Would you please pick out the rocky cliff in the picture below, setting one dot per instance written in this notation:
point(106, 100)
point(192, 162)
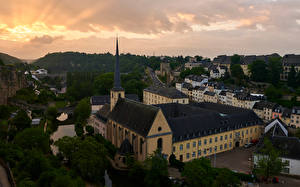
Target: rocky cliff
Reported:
point(11, 81)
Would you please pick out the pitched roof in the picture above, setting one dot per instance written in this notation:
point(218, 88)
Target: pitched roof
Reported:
point(291, 60)
point(276, 128)
point(103, 112)
point(220, 108)
point(134, 115)
point(209, 93)
point(189, 121)
point(105, 99)
point(264, 104)
point(167, 92)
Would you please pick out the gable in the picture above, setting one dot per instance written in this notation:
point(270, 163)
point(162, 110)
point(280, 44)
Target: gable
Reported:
point(160, 126)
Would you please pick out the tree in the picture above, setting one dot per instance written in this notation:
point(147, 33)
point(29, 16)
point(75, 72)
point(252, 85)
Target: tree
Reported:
point(292, 77)
point(235, 59)
point(33, 164)
point(237, 71)
point(272, 93)
point(103, 83)
point(33, 138)
point(156, 170)
point(198, 172)
point(259, 71)
point(21, 120)
point(1, 62)
point(90, 130)
point(51, 113)
point(225, 177)
point(87, 157)
point(275, 68)
point(82, 110)
point(4, 112)
point(269, 163)
point(194, 71)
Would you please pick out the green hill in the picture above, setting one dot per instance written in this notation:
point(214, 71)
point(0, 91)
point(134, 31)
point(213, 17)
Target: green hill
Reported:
point(7, 59)
point(82, 62)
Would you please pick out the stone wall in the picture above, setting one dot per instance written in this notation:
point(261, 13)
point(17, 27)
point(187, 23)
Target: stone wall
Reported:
point(11, 81)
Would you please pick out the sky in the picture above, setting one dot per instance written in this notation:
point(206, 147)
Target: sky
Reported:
point(30, 29)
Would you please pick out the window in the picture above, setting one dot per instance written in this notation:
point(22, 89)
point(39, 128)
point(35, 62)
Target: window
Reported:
point(194, 154)
point(188, 145)
point(187, 155)
point(230, 145)
point(247, 131)
point(159, 129)
point(205, 141)
point(181, 147)
point(210, 149)
point(199, 153)
point(221, 147)
point(141, 146)
point(174, 148)
point(204, 151)
point(226, 137)
point(194, 144)
point(216, 148)
point(225, 146)
point(119, 95)
point(221, 138)
point(250, 131)
point(199, 143)
point(216, 139)
point(159, 143)
point(210, 140)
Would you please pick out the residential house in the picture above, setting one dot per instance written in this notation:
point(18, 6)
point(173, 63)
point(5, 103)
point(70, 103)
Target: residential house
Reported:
point(295, 117)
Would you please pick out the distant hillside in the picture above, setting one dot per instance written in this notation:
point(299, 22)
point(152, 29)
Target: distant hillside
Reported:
point(74, 61)
point(7, 59)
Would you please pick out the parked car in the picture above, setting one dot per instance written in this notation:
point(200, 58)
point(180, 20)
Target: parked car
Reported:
point(247, 145)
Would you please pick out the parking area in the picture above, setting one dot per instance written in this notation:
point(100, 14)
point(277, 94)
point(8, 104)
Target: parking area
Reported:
point(238, 159)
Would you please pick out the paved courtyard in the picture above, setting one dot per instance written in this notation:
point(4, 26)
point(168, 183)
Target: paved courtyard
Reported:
point(237, 159)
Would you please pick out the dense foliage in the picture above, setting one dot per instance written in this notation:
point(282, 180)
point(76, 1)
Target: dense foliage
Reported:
point(81, 85)
point(73, 62)
point(194, 71)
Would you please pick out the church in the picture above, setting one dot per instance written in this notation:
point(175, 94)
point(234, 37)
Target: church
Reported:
point(188, 131)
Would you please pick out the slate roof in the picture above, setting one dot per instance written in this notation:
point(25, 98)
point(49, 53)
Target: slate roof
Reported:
point(291, 59)
point(167, 92)
point(289, 147)
point(105, 99)
point(188, 121)
point(209, 93)
point(264, 104)
point(247, 96)
point(222, 93)
point(222, 59)
point(201, 88)
point(220, 108)
point(134, 115)
point(103, 113)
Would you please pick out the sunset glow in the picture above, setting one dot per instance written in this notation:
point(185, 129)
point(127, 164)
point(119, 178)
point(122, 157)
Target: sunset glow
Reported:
point(171, 26)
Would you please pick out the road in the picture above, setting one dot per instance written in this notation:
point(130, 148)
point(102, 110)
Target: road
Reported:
point(155, 80)
point(3, 178)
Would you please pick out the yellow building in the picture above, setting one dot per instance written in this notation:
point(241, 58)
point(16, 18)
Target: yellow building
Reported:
point(153, 95)
point(210, 97)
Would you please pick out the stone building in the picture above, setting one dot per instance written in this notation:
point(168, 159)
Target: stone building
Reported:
point(287, 62)
point(155, 95)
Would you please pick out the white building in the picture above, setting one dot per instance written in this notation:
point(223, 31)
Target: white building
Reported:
point(289, 147)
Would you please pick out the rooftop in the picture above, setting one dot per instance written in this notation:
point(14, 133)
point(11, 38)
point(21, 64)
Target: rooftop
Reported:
point(166, 92)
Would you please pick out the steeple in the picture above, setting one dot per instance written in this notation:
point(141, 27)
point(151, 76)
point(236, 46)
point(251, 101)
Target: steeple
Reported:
point(117, 79)
point(117, 91)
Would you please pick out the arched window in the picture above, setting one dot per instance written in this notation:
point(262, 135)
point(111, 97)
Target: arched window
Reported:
point(159, 129)
point(159, 143)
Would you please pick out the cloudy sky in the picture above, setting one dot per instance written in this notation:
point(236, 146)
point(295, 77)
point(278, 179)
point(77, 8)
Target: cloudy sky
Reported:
point(32, 28)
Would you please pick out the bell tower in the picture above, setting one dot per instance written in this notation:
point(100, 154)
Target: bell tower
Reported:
point(117, 91)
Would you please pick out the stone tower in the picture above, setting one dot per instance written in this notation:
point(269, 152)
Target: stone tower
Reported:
point(117, 91)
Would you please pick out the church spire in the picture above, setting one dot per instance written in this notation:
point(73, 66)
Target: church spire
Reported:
point(117, 79)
